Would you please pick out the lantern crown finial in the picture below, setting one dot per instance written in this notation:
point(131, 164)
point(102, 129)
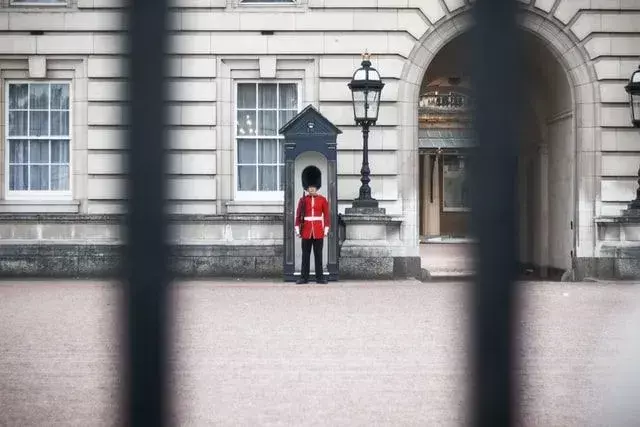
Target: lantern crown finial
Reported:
point(366, 56)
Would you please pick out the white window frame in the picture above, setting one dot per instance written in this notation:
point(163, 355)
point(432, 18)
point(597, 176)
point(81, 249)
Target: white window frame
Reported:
point(257, 196)
point(444, 190)
point(36, 3)
point(37, 194)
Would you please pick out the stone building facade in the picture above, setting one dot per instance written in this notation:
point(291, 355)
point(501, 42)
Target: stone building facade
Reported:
point(238, 69)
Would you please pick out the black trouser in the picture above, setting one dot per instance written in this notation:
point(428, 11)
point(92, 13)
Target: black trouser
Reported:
point(306, 257)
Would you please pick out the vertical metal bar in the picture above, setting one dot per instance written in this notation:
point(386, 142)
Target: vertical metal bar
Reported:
point(494, 168)
point(146, 275)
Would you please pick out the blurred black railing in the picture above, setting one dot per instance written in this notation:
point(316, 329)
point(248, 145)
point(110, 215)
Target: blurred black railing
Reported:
point(495, 62)
point(146, 272)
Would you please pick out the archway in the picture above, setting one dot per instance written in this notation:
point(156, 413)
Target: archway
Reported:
point(551, 163)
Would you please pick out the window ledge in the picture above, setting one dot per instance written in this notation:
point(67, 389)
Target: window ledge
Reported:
point(242, 206)
point(294, 6)
point(37, 5)
point(39, 206)
point(266, 8)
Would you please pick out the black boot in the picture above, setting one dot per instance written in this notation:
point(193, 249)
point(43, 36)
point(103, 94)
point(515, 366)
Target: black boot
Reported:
point(321, 281)
point(302, 281)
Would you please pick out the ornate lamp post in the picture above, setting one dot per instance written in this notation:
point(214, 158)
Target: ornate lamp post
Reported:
point(365, 89)
point(633, 88)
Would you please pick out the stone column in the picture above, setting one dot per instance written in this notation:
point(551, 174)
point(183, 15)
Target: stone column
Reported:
point(434, 208)
point(288, 223)
point(332, 240)
point(370, 243)
point(424, 194)
point(543, 209)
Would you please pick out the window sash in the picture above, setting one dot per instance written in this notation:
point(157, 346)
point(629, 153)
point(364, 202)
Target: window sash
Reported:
point(257, 194)
point(25, 166)
point(257, 164)
point(257, 110)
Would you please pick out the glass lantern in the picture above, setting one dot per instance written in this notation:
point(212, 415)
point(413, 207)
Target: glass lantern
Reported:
point(633, 88)
point(365, 87)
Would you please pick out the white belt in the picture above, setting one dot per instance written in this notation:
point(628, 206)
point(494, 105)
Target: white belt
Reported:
point(313, 218)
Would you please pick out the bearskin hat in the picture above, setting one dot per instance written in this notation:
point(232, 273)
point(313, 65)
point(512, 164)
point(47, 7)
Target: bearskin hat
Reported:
point(311, 176)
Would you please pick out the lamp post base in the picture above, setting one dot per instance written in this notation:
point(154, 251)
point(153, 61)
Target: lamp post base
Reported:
point(365, 203)
point(365, 207)
point(634, 205)
point(633, 209)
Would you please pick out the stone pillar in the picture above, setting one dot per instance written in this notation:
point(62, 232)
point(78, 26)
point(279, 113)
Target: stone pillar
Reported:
point(543, 209)
point(524, 216)
point(332, 240)
point(372, 247)
point(627, 253)
point(424, 194)
point(433, 208)
point(289, 218)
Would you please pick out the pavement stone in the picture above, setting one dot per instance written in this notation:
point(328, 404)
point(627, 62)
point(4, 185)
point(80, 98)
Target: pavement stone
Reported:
point(447, 259)
point(349, 353)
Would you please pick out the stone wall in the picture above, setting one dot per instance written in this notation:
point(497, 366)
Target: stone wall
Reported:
point(91, 245)
point(234, 245)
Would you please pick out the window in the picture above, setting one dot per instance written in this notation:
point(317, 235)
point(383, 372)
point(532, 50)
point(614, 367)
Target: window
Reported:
point(454, 184)
point(262, 109)
point(38, 137)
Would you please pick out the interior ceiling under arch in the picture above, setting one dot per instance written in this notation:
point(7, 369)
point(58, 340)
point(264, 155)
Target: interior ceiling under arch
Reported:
point(545, 78)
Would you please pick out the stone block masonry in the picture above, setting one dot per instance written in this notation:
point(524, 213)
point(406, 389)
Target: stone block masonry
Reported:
point(238, 245)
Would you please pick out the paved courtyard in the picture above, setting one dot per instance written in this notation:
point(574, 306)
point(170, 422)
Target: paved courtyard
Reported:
point(266, 353)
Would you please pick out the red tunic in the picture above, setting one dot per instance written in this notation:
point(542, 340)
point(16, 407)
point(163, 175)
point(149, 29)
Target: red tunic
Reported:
point(313, 213)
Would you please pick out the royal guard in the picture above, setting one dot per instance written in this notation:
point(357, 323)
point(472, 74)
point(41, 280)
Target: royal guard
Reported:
point(313, 220)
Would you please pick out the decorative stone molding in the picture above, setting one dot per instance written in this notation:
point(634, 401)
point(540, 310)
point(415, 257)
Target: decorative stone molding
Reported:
point(39, 206)
point(37, 67)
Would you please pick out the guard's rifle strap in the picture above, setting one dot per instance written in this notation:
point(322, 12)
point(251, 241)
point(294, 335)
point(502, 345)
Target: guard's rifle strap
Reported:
point(301, 212)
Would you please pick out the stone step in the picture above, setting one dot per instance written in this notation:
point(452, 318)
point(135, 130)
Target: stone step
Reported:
point(443, 275)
